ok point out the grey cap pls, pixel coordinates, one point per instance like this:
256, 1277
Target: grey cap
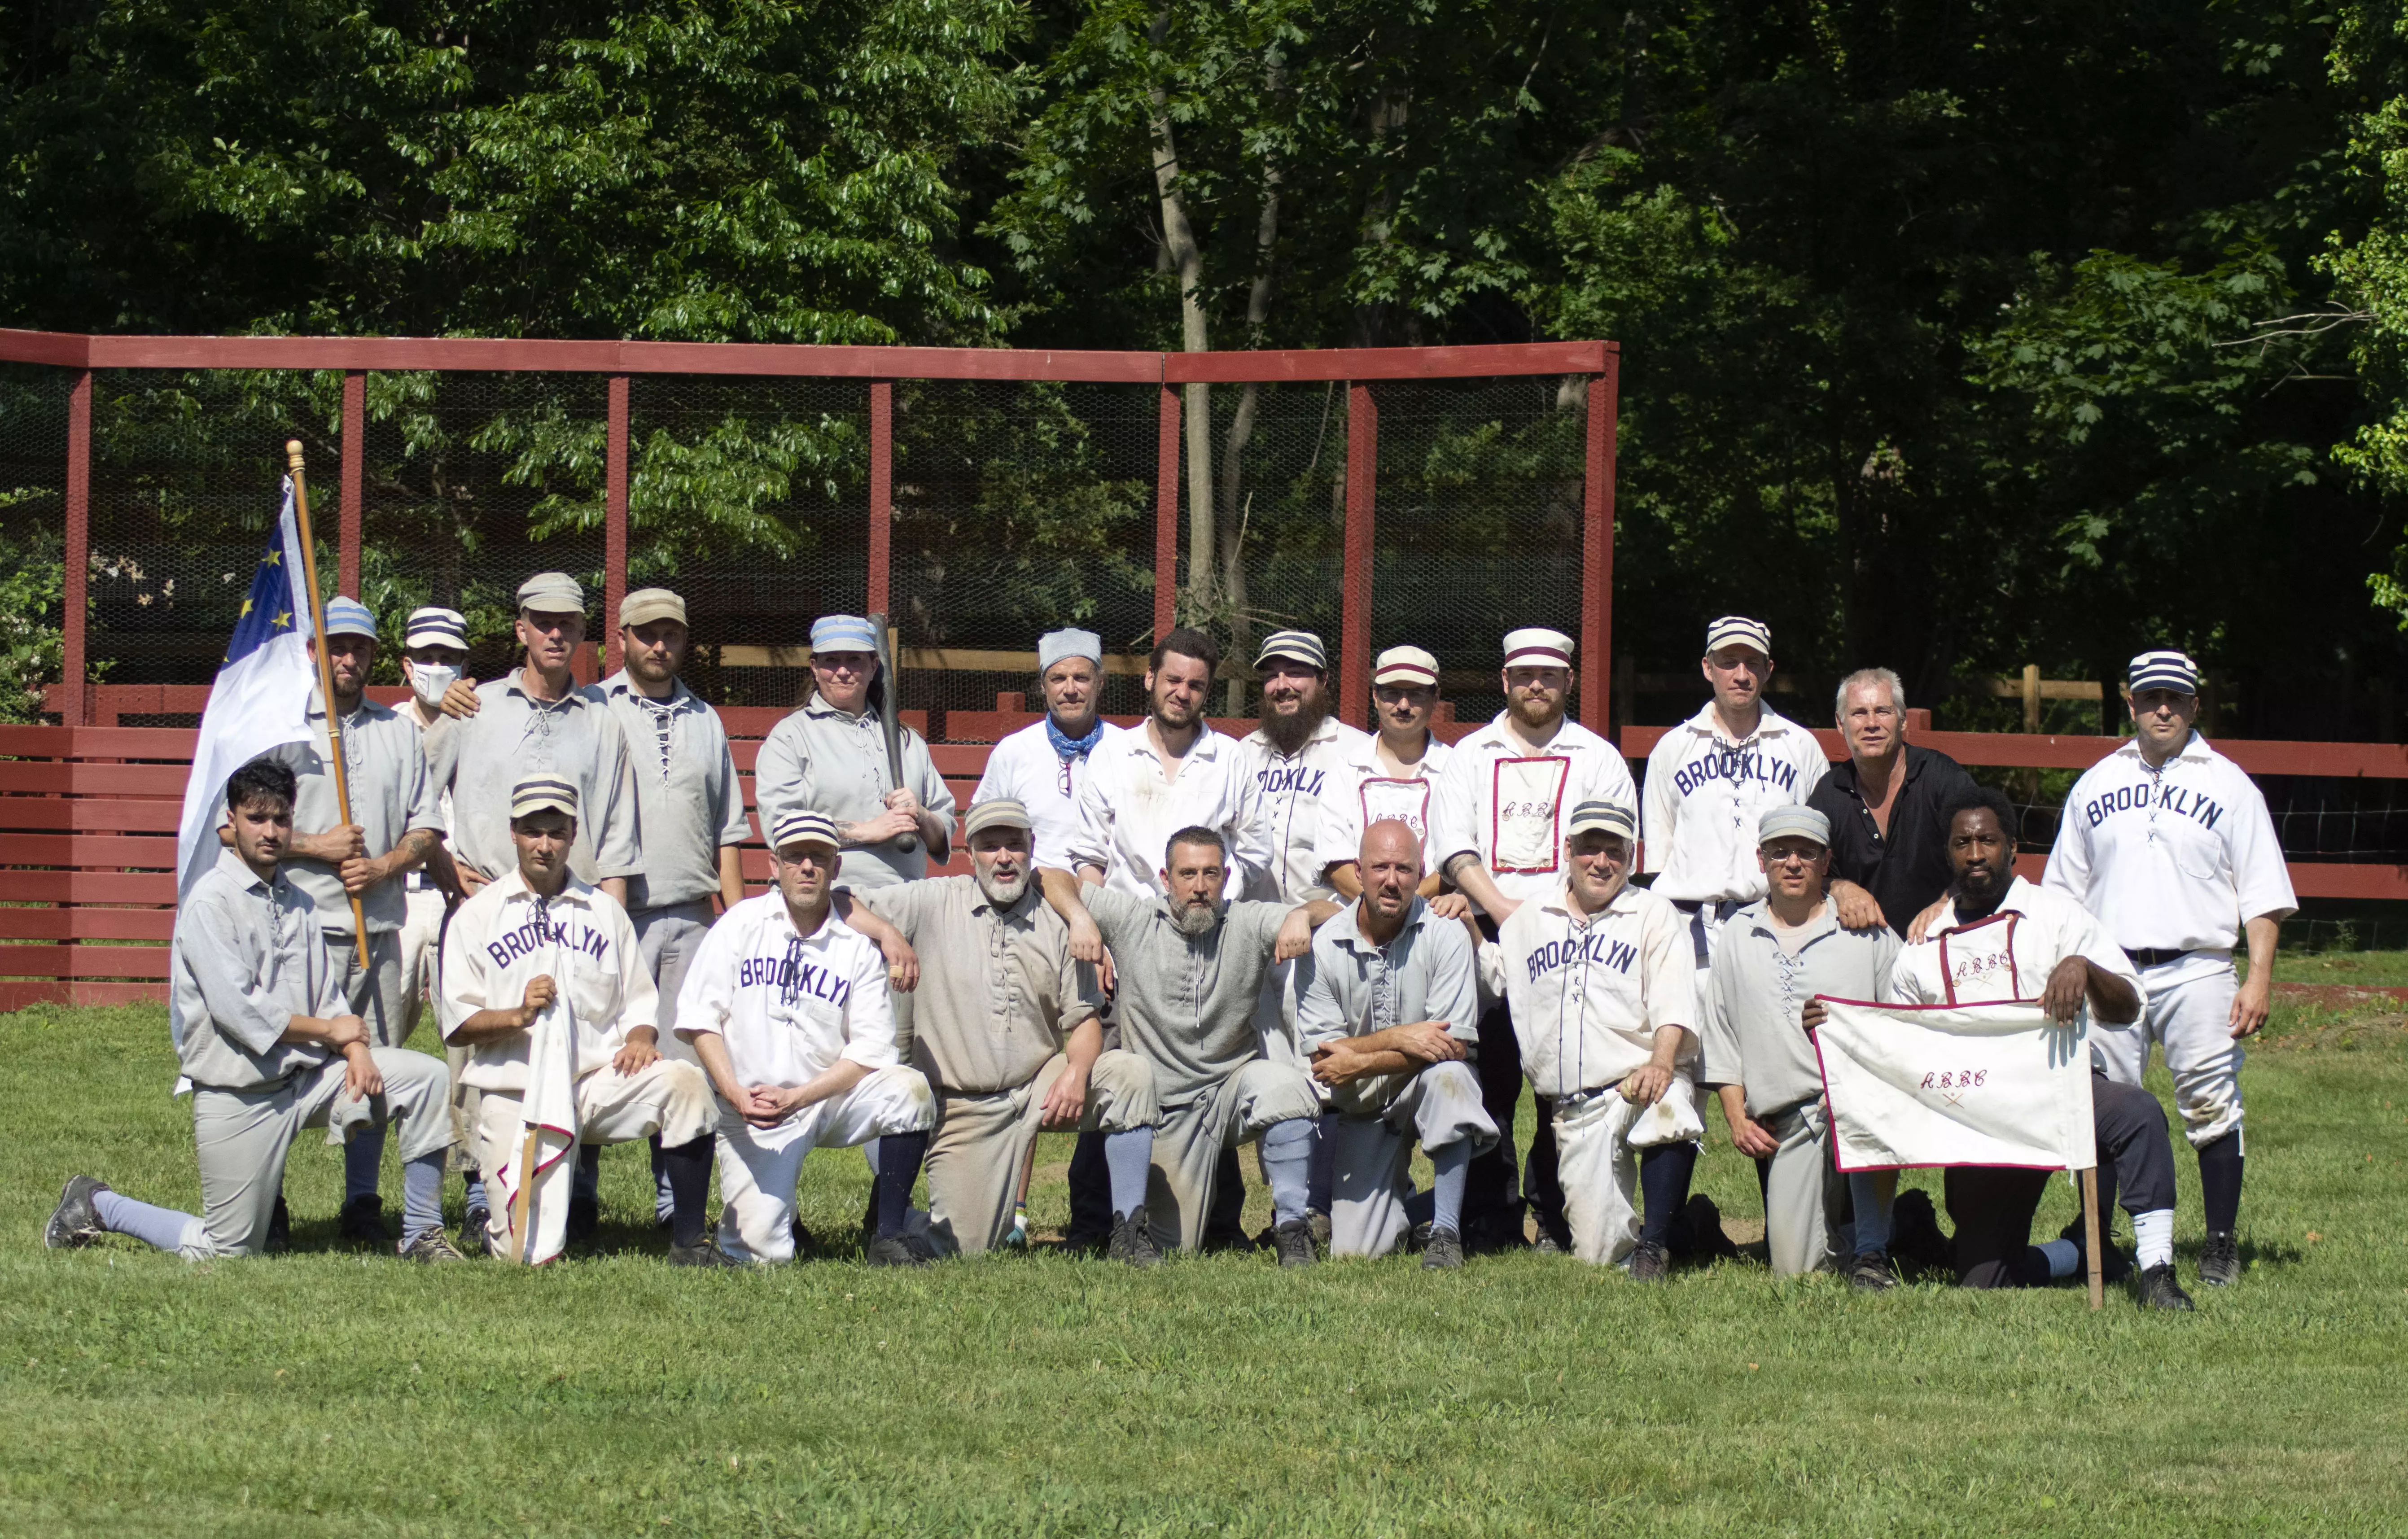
1793, 822
553, 594
1053, 646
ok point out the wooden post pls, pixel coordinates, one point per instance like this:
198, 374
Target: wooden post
882, 494
2090, 1237
348, 535
1354, 594
1165, 517
1596, 545
614, 521
2031, 697
76, 708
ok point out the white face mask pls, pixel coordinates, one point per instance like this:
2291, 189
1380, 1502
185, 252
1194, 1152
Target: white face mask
430, 680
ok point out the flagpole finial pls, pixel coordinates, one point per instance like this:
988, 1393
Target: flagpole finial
293, 453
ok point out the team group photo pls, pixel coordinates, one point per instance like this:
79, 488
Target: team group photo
999, 767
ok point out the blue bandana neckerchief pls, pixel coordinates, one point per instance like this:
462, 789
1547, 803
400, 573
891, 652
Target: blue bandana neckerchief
1070, 747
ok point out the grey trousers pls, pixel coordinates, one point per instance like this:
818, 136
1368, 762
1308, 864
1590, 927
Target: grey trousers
668, 938
373, 991
1803, 1192
1188, 1142
983, 1141
1380, 1119
242, 1137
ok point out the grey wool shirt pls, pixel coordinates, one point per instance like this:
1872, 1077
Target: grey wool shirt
247, 957
513, 735
1751, 1036
822, 759
1425, 972
1188, 1003
384, 766
687, 791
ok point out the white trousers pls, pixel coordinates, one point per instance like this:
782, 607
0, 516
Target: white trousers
982, 1143
1599, 1170
1188, 1142
666, 1096
421, 943
1380, 1119
2189, 1015
759, 1167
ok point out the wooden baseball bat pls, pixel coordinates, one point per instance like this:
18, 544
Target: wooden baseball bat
325, 675
526, 1189
890, 721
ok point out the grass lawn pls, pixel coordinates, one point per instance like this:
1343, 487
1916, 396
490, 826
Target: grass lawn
331, 1392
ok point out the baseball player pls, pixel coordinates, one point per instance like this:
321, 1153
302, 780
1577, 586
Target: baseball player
1143, 786
1390, 774
1710, 780
1602, 982
2170, 844
830, 756
396, 827
1776, 954
786, 1005
689, 805
543, 933
1497, 816
1390, 1014
271, 1046
2002, 938
1889, 806
1009, 1033
1190, 965
536, 719
1043, 766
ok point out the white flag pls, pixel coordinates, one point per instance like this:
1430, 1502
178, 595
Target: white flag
547, 1127
1956, 1085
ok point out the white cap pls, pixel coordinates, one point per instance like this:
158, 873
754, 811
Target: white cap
1405, 665
1739, 631
1536, 647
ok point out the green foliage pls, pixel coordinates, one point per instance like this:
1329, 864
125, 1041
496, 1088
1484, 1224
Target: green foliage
32, 650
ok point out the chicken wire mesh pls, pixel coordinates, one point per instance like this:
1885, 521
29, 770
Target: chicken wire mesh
32, 532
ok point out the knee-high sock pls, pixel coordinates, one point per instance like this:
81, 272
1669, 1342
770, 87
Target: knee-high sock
899, 1155
1664, 1173
363, 1153
161, 1227
1451, 1169
1128, 1156
1287, 1165
586, 1184
1325, 1165
664, 1200
2219, 1182
1871, 1192
422, 1195
2152, 1238
472, 1187
688, 1168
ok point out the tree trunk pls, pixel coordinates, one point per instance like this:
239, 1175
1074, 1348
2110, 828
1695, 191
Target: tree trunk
1187, 260
1242, 422
1388, 113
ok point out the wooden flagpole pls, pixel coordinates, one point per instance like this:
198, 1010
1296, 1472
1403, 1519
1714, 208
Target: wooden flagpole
325, 675
2090, 1237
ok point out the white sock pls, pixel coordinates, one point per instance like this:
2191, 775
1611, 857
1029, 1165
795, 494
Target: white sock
2153, 1237
2063, 1257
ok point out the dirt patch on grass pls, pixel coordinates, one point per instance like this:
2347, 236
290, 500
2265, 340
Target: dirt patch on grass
2382, 1027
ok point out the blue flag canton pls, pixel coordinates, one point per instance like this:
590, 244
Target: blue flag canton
267, 609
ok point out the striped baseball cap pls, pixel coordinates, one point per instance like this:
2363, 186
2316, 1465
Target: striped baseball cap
804, 826
2167, 670
348, 616
1603, 818
1536, 647
435, 626
543, 793
1298, 646
1739, 631
1405, 665
843, 633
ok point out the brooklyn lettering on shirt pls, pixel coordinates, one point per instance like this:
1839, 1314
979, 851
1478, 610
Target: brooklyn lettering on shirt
2174, 799
578, 937
1731, 764
1282, 779
1615, 954
785, 972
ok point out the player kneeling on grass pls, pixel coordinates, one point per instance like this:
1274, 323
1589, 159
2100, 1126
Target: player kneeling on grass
1191, 968
787, 1008
542, 934
1776, 954
1601, 980
1007, 1031
270, 1048
1389, 1016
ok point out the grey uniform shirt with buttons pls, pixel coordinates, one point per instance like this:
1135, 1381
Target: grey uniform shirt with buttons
688, 800
1427, 972
821, 760
514, 736
384, 766
999, 993
1187, 1003
248, 958
1752, 1037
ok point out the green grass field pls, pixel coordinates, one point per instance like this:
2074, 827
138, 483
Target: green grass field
333, 1392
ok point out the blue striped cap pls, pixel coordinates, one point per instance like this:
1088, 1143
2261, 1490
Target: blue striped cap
2164, 671
348, 616
1604, 817
1298, 646
843, 633
804, 826
543, 793
435, 626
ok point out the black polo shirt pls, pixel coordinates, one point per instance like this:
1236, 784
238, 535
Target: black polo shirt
1908, 870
